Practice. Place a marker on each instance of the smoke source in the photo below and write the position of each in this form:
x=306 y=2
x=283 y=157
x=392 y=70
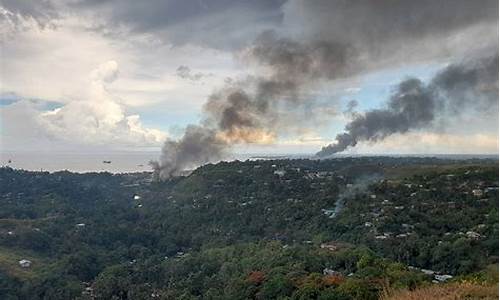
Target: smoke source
x=199 y=145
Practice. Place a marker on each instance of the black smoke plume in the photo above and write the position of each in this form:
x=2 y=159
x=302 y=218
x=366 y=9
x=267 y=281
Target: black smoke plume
x=415 y=105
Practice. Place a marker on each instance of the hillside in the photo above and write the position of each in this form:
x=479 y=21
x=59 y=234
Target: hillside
x=348 y=228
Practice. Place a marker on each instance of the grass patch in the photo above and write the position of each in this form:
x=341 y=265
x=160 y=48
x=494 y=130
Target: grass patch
x=9 y=263
x=452 y=291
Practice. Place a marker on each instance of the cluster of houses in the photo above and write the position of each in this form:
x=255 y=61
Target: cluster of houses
x=381 y=209
x=336 y=246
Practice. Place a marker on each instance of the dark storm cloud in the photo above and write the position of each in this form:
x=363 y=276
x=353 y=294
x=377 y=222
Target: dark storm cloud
x=388 y=32
x=220 y=24
x=389 y=19
x=358 y=22
x=373 y=27
x=459 y=88
x=156 y=14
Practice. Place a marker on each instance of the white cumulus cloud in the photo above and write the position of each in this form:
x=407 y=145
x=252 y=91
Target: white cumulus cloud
x=94 y=117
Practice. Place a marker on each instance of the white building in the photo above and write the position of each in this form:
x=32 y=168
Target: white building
x=280 y=173
x=24 y=263
x=442 y=278
x=473 y=235
x=477 y=192
x=427 y=272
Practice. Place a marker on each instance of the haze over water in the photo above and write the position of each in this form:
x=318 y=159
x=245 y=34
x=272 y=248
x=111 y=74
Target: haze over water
x=138 y=161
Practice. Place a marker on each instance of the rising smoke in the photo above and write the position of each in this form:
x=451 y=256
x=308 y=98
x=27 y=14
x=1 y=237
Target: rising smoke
x=414 y=104
x=342 y=39
x=199 y=145
x=250 y=110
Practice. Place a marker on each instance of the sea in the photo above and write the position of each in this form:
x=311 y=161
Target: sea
x=138 y=161
x=112 y=161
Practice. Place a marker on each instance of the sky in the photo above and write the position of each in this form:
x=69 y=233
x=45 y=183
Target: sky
x=83 y=76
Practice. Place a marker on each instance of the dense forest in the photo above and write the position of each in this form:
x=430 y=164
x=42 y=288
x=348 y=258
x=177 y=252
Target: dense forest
x=346 y=228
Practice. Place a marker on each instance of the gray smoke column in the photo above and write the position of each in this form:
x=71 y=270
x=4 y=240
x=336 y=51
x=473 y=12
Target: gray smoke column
x=360 y=185
x=251 y=110
x=199 y=145
x=288 y=68
x=414 y=104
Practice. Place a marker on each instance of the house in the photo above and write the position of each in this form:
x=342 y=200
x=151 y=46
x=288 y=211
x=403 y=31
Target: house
x=427 y=272
x=329 y=212
x=24 y=263
x=442 y=278
x=88 y=291
x=180 y=254
x=473 y=235
x=407 y=226
x=329 y=246
x=327 y=271
x=477 y=192
x=280 y=173
x=368 y=224
x=137 y=197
